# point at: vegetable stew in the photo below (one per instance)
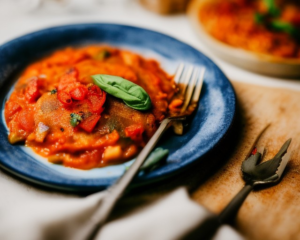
(263, 26)
(58, 110)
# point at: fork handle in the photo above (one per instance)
(115, 192)
(208, 228)
(233, 207)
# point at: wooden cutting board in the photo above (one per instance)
(272, 213)
(267, 214)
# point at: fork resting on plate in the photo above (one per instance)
(191, 81)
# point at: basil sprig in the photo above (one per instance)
(133, 95)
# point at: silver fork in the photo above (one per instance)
(192, 80)
(254, 174)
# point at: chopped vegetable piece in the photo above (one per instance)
(79, 93)
(32, 92)
(75, 119)
(26, 120)
(41, 132)
(89, 123)
(175, 104)
(112, 153)
(64, 98)
(53, 91)
(95, 90)
(12, 108)
(97, 102)
(14, 138)
(134, 132)
(103, 54)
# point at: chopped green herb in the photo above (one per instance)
(273, 10)
(53, 91)
(259, 18)
(103, 54)
(75, 119)
(282, 26)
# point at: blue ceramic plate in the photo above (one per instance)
(211, 122)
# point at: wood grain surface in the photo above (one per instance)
(270, 213)
(267, 214)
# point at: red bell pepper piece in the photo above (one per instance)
(135, 132)
(95, 90)
(32, 92)
(89, 123)
(69, 80)
(97, 102)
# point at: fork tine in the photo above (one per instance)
(186, 79)
(284, 148)
(198, 88)
(190, 90)
(179, 72)
(285, 159)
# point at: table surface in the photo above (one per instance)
(129, 13)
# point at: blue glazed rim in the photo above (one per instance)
(217, 96)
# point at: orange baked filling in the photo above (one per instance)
(233, 22)
(49, 91)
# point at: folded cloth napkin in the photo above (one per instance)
(168, 218)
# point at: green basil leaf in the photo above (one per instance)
(75, 119)
(132, 94)
(103, 54)
(259, 18)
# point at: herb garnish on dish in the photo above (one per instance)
(89, 107)
(269, 27)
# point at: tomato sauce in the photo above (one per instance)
(233, 22)
(57, 110)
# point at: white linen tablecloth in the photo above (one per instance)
(169, 218)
